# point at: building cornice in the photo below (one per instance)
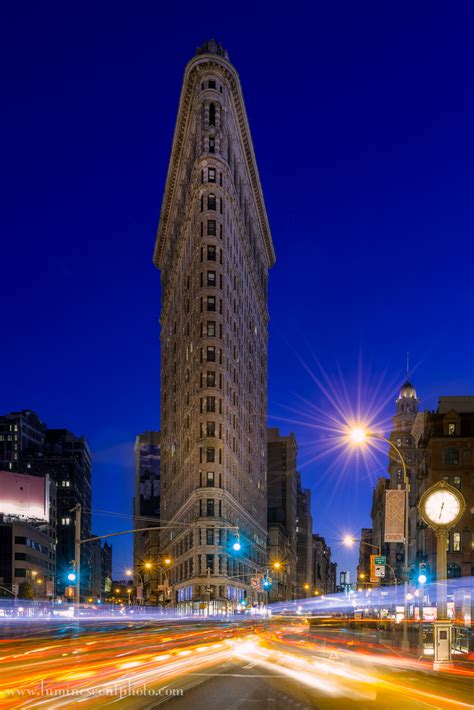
(192, 73)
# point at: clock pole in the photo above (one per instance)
(442, 507)
(441, 571)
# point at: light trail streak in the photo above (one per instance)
(110, 666)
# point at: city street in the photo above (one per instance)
(242, 663)
(237, 413)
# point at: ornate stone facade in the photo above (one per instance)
(445, 440)
(407, 405)
(214, 249)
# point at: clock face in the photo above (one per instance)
(442, 507)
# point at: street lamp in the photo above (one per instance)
(359, 435)
(165, 562)
(132, 574)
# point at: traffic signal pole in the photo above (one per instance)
(77, 555)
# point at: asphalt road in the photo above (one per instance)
(221, 665)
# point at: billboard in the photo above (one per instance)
(24, 496)
(394, 515)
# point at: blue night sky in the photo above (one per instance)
(361, 115)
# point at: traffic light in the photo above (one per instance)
(236, 546)
(422, 575)
(71, 575)
(267, 583)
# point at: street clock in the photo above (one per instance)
(442, 506)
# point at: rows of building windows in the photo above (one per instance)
(454, 542)
(242, 336)
(20, 540)
(453, 480)
(213, 564)
(25, 557)
(25, 572)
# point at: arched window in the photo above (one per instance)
(211, 201)
(212, 114)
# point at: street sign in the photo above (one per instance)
(379, 571)
(380, 560)
(15, 589)
(373, 578)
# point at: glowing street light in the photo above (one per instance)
(276, 565)
(348, 541)
(148, 565)
(358, 435)
(167, 561)
(129, 573)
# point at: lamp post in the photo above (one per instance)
(134, 574)
(359, 436)
(162, 567)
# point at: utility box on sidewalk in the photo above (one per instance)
(442, 633)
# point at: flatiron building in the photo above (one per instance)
(214, 250)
